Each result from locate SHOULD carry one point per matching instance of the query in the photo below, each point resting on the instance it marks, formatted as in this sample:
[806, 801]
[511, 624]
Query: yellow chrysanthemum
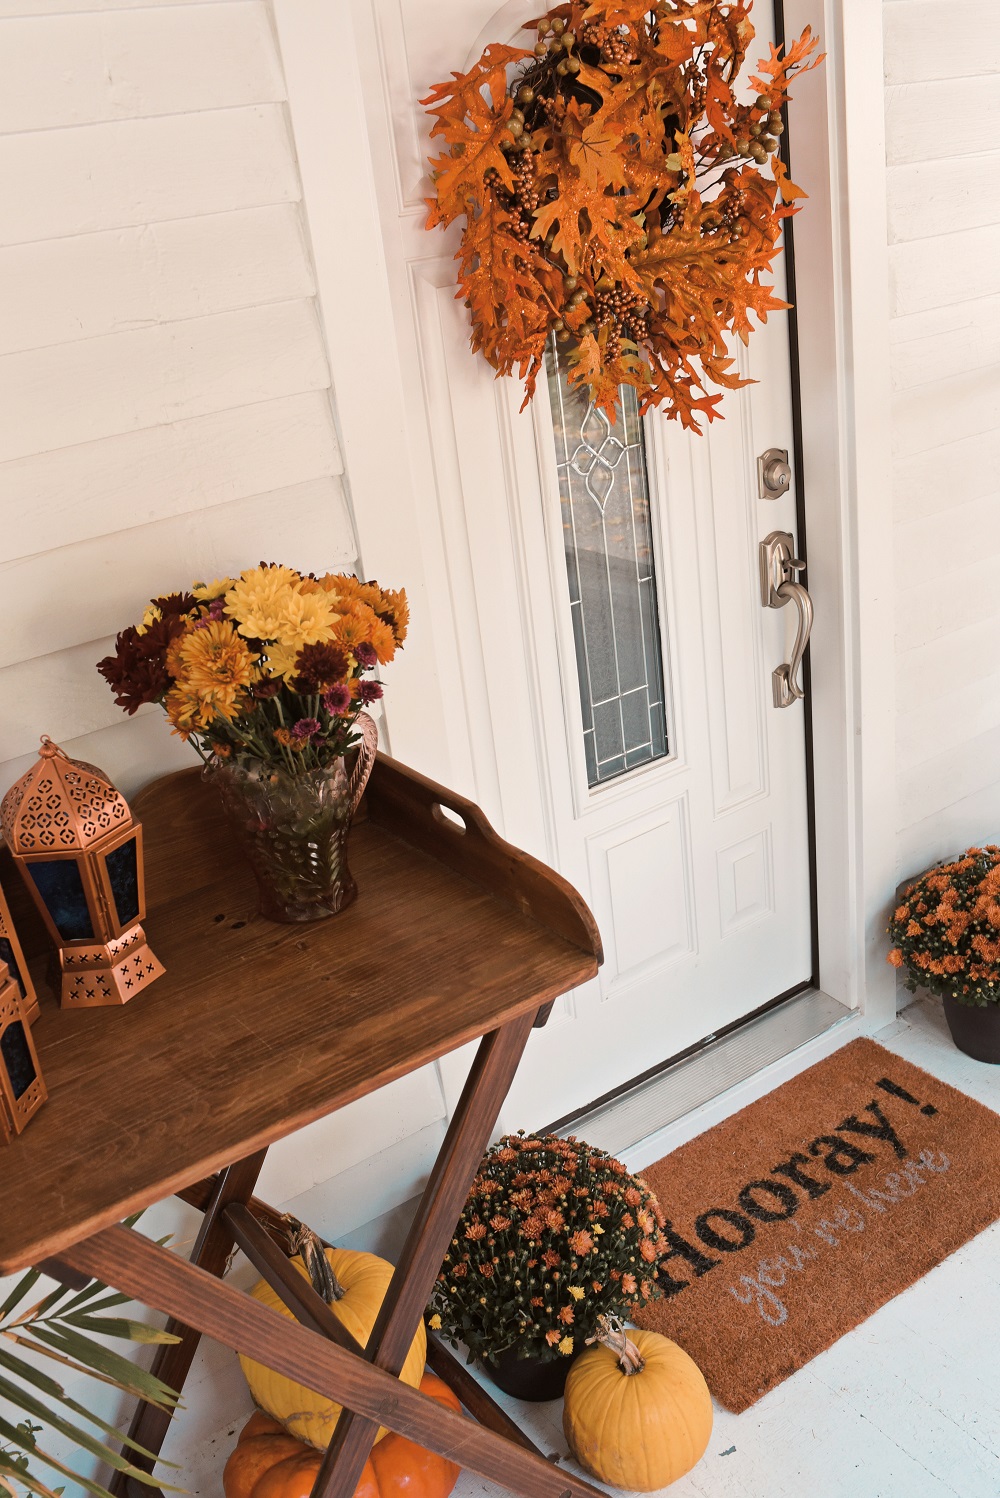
[212, 668]
[212, 657]
[258, 600]
[577, 1292]
[270, 603]
[151, 616]
[206, 592]
[566, 1346]
[281, 661]
[308, 618]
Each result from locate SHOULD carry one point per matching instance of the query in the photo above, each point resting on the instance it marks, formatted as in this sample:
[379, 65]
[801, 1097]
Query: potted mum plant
[946, 932]
[554, 1236]
[266, 675]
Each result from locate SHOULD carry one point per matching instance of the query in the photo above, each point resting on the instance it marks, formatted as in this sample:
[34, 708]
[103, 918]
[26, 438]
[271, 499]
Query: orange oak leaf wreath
[612, 188]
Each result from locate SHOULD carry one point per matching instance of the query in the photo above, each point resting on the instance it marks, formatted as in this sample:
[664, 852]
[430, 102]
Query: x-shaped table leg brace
[365, 1386]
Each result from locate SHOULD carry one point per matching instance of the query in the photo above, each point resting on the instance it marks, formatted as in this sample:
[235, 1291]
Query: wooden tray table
[258, 1029]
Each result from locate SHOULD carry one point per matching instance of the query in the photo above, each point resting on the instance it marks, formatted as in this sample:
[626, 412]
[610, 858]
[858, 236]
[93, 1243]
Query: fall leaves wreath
[611, 181]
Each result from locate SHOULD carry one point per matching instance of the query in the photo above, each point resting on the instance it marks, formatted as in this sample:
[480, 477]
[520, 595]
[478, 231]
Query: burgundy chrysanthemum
[137, 671]
[365, 654]
[338, 699]
[369, 691]
[319, 666]
[176, 603]
[305, 728]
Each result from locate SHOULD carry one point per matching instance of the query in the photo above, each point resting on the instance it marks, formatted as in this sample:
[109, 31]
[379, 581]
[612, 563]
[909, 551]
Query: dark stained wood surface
[258, 1029]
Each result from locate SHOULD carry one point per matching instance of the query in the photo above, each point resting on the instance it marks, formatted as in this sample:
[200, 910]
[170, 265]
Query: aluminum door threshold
[638, 1112]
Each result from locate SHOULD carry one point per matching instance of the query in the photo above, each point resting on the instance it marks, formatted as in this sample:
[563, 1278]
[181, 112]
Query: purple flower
[337, 700]
[216, 608]
[365, 654]
[305, 728]
[370, 691]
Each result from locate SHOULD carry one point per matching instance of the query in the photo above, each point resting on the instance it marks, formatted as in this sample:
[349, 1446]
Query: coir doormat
[797, 1218]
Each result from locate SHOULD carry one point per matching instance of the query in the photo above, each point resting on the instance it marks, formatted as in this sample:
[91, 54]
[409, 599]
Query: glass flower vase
[294, 828]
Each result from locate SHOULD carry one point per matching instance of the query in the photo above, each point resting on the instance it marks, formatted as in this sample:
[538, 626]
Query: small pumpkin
[637, 1412]
[354, 1289]
[269, 1463]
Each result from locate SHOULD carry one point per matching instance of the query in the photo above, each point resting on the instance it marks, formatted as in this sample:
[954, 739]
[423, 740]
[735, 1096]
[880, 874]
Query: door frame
[841, 262]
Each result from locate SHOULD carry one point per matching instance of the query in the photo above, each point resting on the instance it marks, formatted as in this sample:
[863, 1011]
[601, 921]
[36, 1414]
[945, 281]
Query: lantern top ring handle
[49, 750]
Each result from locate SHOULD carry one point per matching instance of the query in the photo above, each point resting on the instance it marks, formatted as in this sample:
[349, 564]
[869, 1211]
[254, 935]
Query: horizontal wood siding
[163, 375]
[166, 416]
[943, 150]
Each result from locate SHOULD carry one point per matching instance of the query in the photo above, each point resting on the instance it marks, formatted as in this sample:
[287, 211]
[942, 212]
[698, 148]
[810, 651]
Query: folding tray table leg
[444, 1197]
[172, 1362]
[138, 1267]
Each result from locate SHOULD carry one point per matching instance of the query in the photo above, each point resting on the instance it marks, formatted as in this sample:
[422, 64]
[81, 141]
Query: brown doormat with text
[795, 1219]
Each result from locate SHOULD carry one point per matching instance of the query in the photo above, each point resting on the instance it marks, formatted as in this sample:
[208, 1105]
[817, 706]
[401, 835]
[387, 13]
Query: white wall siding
[167, 415]
[943, 149]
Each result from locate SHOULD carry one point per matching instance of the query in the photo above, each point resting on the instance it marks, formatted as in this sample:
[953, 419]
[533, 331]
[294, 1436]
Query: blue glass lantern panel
[17, 1059]
[7, 955]
[61, 888]
[123, 875]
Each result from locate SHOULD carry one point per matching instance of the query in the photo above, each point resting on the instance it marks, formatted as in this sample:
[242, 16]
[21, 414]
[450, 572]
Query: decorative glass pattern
[60, 886]
[604, 491]
[123, 874]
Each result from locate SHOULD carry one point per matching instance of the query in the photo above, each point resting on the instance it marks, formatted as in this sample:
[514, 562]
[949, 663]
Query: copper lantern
[13, 956]
[22, 1091]
[79, 851]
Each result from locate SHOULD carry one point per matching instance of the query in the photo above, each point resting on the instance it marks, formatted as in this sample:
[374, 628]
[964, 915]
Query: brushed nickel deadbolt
[774, 476]
[778, 567]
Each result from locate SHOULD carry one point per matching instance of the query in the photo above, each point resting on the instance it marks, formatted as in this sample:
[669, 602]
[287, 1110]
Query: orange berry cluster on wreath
[611, 184]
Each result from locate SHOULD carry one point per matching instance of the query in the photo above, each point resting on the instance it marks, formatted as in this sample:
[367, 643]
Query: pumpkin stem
[611, 1333]
[304, 1241]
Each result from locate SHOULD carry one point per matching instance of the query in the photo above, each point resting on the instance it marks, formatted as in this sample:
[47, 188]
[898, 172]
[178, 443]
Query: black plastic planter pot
[975, 1031]
[533, 1379]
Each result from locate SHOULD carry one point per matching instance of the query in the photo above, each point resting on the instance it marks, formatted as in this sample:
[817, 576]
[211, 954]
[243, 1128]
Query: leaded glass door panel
[590, 592]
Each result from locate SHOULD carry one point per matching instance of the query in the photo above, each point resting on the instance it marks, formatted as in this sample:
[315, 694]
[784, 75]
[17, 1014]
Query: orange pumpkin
[269, 1463]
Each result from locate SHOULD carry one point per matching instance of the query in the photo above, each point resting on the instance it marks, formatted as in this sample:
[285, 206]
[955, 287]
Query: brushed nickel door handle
[778, 567]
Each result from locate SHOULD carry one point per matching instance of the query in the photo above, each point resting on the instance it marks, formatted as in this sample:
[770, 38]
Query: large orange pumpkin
[269, 1463]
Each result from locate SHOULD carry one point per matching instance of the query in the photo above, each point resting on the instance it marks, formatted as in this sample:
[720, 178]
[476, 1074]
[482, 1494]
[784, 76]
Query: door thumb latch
[778, 586]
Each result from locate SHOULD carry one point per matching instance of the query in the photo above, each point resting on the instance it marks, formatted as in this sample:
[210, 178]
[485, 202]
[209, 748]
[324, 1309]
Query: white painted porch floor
[905, 1406]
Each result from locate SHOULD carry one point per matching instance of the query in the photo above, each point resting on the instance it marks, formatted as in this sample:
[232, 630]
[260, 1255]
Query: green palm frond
[65, 1328]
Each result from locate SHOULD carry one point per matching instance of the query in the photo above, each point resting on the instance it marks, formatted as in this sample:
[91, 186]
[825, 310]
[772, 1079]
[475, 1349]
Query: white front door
[600, 630]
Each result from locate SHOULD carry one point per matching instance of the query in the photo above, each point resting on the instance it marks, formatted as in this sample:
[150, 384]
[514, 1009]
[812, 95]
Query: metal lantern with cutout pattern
[79, 850]
[12, 954]
[22, 1091]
